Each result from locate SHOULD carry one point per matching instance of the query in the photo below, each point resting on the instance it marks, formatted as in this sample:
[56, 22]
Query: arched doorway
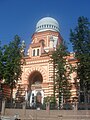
[35, 78]
[38, 99]
[35, 89]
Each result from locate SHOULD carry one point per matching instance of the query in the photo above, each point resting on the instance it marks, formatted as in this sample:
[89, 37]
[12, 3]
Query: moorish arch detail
[39, 69]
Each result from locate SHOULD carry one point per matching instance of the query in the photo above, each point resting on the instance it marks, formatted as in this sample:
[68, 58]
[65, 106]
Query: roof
[47, 23]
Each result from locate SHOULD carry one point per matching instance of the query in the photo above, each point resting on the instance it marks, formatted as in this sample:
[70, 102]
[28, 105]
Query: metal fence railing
[68, 106]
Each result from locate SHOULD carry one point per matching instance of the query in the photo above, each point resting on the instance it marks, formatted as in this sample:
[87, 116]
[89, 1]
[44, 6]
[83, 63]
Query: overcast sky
[20, 17]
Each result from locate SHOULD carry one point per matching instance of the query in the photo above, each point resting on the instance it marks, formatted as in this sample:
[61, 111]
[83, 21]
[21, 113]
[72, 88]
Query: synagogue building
[37, 77]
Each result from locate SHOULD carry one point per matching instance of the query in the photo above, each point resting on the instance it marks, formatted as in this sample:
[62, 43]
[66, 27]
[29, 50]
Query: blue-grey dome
[47, 23]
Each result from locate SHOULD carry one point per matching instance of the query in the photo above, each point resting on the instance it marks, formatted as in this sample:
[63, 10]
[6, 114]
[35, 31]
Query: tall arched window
[33, 52]
[37, 52]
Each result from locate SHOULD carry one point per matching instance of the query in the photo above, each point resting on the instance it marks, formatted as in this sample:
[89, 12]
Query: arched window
[44, 25]
[37, 52]
[33, 52]
[32, 98]
[49, 25]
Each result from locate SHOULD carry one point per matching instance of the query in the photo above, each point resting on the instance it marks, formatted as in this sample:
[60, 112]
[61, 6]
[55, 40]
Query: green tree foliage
[80, 39]
[1, 63]
[51, 101]
[12, 62]
[62, 71]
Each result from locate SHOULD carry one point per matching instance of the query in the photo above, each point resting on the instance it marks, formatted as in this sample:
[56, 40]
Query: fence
[68, 106]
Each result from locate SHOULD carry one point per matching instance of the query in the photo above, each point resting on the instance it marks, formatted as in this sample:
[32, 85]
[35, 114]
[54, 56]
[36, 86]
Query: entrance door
[35, 85]
[38, 99]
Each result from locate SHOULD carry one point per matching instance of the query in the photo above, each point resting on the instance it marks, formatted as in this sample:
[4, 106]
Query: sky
[21, 16]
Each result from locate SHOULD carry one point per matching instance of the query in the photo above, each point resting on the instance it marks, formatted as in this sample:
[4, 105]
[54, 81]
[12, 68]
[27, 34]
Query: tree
[1, 76]
[80, 39]
[1, 63]
[12, 63]
[61, 81]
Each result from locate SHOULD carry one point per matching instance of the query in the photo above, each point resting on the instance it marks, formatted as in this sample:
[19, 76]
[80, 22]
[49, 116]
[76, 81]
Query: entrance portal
[35, 87]
[38, 99]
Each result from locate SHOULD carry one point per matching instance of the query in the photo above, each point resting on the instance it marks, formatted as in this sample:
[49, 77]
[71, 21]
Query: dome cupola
[47, 23]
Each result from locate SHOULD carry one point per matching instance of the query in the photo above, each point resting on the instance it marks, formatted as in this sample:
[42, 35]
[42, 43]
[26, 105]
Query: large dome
[47, 23]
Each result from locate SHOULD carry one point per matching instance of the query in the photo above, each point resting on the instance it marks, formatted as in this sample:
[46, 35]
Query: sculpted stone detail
[32, 69]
